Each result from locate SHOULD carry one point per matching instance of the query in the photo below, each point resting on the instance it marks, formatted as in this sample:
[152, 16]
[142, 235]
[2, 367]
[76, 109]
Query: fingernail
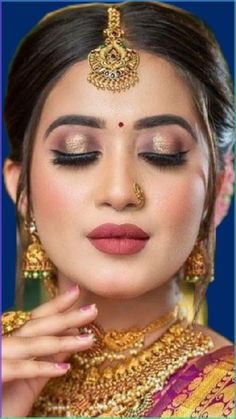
[62, 366]
[73, 288]
[89, 307]
[84, 336]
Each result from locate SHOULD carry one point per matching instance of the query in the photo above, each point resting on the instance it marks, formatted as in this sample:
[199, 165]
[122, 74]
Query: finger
[74, 331]
[63, 356]
[56, 324]
[27, 347]
[21, 369]
[57, 305]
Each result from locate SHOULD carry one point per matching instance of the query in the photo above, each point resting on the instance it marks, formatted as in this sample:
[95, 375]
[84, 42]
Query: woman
[120, 144]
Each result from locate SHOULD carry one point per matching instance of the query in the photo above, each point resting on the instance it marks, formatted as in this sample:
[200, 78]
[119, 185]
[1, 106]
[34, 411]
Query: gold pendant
[113, 65]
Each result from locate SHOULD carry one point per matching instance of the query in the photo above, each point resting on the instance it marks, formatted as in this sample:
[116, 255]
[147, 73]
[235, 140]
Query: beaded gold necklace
[112, 344]
[126, 389]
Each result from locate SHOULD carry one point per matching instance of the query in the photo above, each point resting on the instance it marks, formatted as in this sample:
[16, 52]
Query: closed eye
[72, 159]
[162, 159]
[84, 159]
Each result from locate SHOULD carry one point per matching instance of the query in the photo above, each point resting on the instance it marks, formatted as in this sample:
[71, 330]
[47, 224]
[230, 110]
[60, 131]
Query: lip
[124, 239]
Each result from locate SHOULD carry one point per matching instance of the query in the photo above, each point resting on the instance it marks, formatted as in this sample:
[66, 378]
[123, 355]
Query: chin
[116, 288]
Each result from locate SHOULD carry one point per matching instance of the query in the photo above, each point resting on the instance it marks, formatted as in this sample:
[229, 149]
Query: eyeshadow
[159, 145]
[75, 144]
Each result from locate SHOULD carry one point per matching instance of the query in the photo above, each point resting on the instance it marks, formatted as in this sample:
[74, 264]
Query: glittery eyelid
[76, 144]
[159, 144]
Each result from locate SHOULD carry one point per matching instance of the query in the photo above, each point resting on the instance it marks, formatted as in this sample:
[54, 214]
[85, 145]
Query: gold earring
[36, 264]
[139, 195]
[195, 267]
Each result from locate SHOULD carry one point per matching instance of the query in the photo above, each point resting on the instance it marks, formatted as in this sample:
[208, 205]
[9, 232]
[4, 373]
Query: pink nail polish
[89, 307]
[83, 336]
[62, 366]
[72, 289]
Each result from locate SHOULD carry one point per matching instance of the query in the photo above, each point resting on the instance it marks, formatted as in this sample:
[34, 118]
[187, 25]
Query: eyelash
[84, 159]
[165, 160]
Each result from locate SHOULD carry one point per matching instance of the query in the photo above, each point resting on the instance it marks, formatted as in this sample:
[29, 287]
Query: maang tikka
[113, 65]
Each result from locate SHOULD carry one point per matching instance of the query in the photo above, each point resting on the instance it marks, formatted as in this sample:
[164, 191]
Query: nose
[116, 186]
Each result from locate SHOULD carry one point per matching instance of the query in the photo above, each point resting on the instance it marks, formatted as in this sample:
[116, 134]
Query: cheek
[180, 202]
[49, 195]
[46, 196]
[58, 198]
[177, 212]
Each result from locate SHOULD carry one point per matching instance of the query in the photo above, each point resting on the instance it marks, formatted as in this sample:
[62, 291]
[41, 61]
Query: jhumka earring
[113, 65]
[195, 267]
[139, 195]
[36, 264]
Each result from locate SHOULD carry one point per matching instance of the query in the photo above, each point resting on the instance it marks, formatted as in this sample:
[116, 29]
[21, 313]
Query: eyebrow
[165, 119]
[147, 122]
[89, 121]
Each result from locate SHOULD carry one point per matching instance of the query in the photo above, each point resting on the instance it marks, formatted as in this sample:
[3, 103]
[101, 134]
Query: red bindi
[121, 124]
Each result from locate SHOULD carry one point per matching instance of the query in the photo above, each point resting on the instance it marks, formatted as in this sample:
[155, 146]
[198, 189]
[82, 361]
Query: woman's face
[158, 116]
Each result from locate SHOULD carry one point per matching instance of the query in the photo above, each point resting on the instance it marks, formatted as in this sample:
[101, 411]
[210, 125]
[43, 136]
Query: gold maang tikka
[113, 64]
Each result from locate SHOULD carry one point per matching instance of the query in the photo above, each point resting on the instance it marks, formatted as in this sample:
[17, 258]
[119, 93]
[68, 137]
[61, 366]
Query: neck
[118, 314]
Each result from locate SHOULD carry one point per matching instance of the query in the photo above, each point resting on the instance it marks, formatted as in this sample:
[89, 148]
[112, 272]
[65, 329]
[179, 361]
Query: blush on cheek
[181, 204]
[178, 211]
[48, 200]
[56, 203]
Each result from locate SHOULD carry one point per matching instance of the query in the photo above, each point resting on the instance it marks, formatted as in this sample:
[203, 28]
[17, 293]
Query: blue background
[18, 19]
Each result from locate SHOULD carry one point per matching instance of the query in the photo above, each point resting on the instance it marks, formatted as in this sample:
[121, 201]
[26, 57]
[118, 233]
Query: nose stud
[139, 195]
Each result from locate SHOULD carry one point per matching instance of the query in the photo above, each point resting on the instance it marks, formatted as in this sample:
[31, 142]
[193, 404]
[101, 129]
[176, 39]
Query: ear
[12, 171]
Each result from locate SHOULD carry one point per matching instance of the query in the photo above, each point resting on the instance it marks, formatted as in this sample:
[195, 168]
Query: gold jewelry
[127, 389]
[12, 320]
[36, 264]
[113, 65]
[139, 194]
[111, 345]
[117, 341]
[195, 267]
[121, 340]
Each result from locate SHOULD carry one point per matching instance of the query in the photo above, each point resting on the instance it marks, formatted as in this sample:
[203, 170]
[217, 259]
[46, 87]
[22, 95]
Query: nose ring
[139, 195]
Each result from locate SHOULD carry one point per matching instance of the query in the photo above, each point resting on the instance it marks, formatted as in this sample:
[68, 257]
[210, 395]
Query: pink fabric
[181, 379]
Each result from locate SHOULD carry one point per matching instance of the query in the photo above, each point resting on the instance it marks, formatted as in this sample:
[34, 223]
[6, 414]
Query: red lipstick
[124, 239]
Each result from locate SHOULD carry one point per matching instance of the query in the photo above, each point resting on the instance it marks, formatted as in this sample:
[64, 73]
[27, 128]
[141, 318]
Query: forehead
[160, 90]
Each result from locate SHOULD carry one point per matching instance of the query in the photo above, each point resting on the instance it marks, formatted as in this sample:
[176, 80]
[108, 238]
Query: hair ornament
[113, 65]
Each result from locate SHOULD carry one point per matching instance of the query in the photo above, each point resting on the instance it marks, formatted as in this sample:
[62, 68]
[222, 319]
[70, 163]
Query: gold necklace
[127, 389]
[122, 340]
[111, 344]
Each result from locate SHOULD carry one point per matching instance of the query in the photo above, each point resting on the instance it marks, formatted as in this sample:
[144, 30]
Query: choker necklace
[112, 344]
[127, 389]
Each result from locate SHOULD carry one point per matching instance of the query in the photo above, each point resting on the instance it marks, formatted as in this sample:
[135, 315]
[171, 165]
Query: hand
[36, 352]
